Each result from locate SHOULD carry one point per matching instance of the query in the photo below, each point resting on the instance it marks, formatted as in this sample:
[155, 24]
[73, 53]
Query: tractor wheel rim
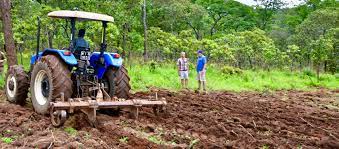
[11, 86]
[41, 87]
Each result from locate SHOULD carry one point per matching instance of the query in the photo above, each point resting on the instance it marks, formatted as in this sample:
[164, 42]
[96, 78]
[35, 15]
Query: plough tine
[91, 115]
[134, 112]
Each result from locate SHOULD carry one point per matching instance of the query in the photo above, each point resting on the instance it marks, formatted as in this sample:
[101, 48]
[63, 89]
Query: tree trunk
[144, 19]
[124, 29]
[8, 33]
[318, 71]
[196, 32]
[50, 38]
[250, 62]
[216, 20]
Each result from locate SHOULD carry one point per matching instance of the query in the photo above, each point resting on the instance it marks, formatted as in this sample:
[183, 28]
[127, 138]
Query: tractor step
[59, 109]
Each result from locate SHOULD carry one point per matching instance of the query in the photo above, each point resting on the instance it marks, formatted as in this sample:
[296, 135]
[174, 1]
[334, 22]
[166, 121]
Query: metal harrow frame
[60, 108]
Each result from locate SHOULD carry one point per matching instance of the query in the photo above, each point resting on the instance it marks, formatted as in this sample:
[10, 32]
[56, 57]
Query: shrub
[308, 72]
[229, 70]
[152, 65]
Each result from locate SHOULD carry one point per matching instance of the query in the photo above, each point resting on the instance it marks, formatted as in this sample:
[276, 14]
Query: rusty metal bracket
[71, 106]
[58, 117]
[106, 96]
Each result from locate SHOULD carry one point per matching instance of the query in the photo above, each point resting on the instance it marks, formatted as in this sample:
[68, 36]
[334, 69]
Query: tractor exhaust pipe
[38, 39]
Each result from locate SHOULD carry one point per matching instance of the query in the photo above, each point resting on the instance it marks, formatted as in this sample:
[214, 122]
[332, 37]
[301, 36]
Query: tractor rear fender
[65, 55]
[110, 60]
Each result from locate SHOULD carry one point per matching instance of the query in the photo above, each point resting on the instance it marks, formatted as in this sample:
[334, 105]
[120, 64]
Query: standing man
[182, 64]
[201, 70]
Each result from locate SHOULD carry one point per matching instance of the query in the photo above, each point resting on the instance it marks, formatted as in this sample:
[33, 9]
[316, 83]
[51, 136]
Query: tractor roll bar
[38, 39]
[72, 34]
[103, 38]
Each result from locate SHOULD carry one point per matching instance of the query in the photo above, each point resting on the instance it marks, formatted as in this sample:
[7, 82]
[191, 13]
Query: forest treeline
[267, 36]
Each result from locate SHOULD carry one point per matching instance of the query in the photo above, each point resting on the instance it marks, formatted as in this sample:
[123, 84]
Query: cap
[199, 51]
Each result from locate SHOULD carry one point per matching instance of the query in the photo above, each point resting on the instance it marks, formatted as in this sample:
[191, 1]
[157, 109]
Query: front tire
[16, 85]
[50, 78]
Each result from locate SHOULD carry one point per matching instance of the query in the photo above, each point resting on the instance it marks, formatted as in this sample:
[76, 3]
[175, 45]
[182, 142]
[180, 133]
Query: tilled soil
[281, 119]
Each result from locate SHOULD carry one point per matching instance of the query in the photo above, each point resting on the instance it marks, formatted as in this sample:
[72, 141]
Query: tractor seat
[80, 45]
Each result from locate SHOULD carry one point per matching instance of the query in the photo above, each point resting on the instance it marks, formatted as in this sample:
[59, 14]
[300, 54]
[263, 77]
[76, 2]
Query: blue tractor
[62, 81]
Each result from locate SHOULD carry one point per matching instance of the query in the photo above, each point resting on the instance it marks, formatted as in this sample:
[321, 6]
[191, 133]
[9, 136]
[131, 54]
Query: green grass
[193, 143]
[124, 139]
[71, 131]
[7, 140]
[155, 139]
[165, 76]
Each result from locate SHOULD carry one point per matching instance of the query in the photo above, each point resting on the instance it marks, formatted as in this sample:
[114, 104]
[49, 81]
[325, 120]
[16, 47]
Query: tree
[144, 20]
[318, 23]
[192, 15]
[320, 50]
[162, 44]
[8, 33]
[315, 25]
[228, 14]
[217, 10]
[254, 48]
[266, 9]
[331, 64]
[294, 54]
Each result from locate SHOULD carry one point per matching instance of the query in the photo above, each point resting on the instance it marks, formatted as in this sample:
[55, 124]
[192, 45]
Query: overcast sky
[290, 3]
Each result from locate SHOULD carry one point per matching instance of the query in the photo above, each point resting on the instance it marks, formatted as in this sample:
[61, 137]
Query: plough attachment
[60, 108]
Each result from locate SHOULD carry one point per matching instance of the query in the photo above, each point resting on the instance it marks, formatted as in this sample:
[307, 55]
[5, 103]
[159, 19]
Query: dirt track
[284, 119]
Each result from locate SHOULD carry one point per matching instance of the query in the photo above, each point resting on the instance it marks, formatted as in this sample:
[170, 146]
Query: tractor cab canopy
[83, 16]
[80, 16]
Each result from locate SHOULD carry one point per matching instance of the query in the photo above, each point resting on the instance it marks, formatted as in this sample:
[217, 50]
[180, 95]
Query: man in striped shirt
[182, 64]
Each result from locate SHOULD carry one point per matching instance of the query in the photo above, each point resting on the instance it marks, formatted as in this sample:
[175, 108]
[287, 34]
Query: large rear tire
[16, 85]
[117, 82]
[122, 85]
[50, 78]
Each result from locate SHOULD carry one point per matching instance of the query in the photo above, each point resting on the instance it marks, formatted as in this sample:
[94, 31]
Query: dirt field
[283, 119]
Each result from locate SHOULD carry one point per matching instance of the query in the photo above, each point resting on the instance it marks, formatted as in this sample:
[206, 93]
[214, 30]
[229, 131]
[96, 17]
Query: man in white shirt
[182, 64]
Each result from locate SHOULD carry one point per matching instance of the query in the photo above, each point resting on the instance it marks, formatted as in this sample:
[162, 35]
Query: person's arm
[87, 44]
[205, 63]
[188, 65]
[178, 66]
